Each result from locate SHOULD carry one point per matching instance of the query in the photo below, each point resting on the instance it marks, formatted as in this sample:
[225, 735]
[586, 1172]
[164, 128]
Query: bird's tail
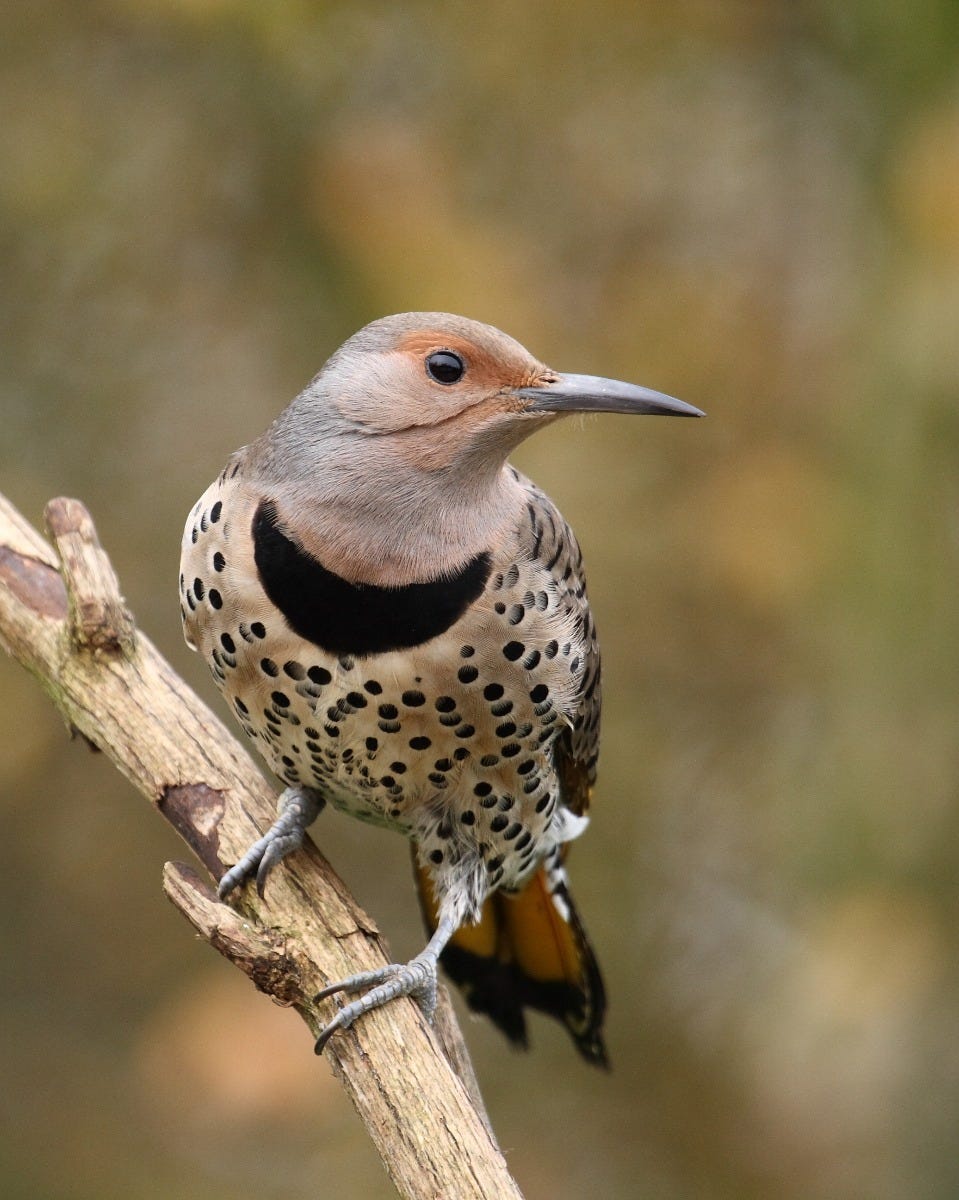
[528, 950]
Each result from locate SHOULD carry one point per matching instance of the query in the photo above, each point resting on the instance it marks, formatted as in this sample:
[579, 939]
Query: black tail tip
[593, 1050]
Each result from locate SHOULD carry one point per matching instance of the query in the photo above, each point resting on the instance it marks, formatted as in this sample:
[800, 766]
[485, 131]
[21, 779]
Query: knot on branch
[99, 620]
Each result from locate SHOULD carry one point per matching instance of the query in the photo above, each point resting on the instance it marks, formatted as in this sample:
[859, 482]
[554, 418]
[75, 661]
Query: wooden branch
[67, 623]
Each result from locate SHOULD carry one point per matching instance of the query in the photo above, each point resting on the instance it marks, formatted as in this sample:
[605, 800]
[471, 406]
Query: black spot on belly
[355, 618]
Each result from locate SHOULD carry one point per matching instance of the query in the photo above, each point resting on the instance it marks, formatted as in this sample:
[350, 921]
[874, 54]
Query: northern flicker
[398, 619]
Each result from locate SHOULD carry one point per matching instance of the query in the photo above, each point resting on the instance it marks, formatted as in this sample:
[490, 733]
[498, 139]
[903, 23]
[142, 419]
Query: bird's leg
[298, 807]
[417, 978]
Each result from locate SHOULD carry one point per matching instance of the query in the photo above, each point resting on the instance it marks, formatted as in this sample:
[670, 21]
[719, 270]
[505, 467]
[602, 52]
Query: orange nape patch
[491, 365]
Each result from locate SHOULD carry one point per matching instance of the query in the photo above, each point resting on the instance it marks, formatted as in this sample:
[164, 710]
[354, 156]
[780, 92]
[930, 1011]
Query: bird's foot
[298, 807]
[417, 978]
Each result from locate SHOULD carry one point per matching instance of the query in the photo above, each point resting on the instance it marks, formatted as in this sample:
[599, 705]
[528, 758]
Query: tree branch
[67, 623]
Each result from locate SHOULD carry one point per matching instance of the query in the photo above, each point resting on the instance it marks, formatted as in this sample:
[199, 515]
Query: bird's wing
[530, 949]
[550, 542]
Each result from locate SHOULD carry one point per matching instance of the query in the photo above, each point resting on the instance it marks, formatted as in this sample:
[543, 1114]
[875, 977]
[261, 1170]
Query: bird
[398, 619]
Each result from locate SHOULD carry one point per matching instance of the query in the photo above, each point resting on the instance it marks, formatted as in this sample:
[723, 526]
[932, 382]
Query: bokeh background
[752, 205]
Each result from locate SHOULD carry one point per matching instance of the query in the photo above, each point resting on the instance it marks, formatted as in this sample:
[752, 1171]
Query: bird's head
[442, 390]
[415, 415]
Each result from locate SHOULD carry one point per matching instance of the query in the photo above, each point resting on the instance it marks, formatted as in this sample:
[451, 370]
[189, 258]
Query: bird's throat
[358, 619]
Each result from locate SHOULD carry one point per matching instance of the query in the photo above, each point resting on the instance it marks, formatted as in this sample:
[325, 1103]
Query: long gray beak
[591, 393]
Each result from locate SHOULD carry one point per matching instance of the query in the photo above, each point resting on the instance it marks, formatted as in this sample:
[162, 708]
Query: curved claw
[325, 1034]
[239, 872]
[416, 979]
[329, 990]
[356, 983]
[275, 849]
[298, 808]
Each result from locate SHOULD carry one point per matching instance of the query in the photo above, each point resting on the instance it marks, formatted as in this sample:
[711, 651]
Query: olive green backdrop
[753, 206]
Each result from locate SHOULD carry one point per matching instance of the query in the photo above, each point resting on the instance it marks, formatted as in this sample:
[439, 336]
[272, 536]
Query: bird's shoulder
[216, 556]
[548, 539]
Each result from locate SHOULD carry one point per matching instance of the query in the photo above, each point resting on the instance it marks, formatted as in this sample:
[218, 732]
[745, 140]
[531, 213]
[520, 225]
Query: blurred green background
[753, 206]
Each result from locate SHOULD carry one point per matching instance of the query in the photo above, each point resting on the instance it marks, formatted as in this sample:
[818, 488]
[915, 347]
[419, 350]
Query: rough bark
[65, 620]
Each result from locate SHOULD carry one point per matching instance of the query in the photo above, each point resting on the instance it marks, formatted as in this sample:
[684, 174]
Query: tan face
[441, 392]
[432, 377]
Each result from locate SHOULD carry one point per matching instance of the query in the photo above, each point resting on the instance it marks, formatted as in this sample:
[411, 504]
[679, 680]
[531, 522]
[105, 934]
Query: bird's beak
[591, 393]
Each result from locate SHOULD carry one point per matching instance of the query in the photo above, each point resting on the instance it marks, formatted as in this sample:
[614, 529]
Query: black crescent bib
[357, 618]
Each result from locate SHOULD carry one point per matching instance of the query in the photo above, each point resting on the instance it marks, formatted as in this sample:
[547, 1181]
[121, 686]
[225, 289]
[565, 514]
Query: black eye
[445, 367]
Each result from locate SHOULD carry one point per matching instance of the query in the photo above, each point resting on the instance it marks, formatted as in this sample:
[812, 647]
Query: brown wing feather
[552, 542]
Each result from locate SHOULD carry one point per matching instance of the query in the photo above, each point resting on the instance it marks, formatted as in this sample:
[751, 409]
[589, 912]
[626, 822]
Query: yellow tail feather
[527, 950]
